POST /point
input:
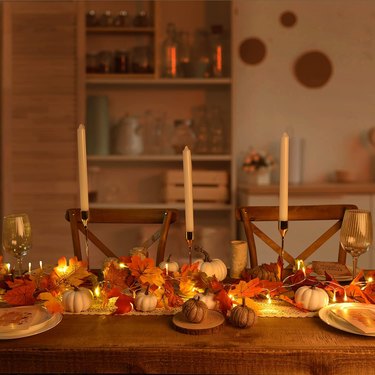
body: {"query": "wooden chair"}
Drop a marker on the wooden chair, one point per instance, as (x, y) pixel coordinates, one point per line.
(250, 214)
(164, 217)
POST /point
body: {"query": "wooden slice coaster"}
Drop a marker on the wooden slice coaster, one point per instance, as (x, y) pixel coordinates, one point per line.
(213, 323)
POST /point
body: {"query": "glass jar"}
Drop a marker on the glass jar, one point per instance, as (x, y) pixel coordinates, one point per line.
(121, 62)
(91, 18)
(183, 135)
(202, 129)
(142, 60)
(169, 53)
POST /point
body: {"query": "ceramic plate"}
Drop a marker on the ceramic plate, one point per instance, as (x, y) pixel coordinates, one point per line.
(42, 322)
(328, 316)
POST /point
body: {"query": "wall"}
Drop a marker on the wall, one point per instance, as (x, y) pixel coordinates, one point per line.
(332, 119)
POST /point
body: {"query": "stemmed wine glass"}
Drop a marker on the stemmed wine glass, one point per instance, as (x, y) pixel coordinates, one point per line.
(356, 234)
(17, 237)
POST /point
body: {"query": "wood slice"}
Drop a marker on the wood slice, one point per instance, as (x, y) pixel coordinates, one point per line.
(213, 323)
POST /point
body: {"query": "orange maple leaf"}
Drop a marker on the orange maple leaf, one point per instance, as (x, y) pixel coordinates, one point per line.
(274, 288)
(21, 292)
(52, 304)
(247, 289)
(152, 276)
(138, 266)
(116, 276)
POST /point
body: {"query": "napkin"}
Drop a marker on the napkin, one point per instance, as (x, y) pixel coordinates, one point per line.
(18, 318)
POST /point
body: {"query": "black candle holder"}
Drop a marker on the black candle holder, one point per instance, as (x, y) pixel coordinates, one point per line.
(189, 236)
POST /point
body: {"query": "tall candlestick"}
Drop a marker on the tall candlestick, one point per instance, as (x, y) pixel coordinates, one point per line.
(284, 170)
(82, 168)
(188, 186)
(188, 189)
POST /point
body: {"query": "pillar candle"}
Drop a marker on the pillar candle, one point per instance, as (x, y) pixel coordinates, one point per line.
(188, 190)
(239, 258)
(82, 168)
(284, 170)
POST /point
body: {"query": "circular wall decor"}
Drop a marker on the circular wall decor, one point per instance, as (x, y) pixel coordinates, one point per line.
(313, 69)
(288, 19)
(252, 51)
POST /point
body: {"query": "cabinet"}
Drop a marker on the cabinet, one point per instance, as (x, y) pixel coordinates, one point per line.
(139, 90)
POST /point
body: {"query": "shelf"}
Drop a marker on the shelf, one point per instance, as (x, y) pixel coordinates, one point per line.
(179, 206)
(155, 158)
(120, 30)
(149, 79)
(311, 189)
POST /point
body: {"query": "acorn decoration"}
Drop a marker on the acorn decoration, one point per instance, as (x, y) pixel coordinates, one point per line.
(194, 310)
(242, 316)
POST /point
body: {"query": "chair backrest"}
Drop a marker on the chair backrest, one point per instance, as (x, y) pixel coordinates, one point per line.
(250, 214)
(164, 217)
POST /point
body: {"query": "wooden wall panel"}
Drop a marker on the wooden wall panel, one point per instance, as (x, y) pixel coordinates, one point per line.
(42, 137)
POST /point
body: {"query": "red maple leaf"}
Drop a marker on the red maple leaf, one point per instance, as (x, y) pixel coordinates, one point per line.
(21, 292)
(138, 266)
(274, 288)
(247, 289)
(225, 303)
(124, 303)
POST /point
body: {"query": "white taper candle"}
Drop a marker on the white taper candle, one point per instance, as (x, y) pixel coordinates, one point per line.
(82, 168)
(284, 171)
(188, 189)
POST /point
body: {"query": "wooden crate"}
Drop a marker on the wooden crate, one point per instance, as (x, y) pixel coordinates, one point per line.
(208, 186)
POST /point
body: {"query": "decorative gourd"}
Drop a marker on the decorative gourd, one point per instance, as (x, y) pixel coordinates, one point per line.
(242, 316)
(145, 301)
(77, 300)
(264, 272)
(169, 265)
(212, 267)
(194, 310)
(208, 299)
(311, 298)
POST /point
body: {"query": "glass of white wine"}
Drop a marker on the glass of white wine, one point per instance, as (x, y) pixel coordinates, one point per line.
(17, 237)
(356, 234)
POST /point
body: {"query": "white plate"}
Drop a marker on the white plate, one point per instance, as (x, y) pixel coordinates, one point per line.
(44, 322)
(333, 320)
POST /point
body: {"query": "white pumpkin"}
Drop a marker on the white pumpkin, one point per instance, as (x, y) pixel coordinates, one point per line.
(212, 267)
(311, 298)
(172, 266)
(145, 301)
(77, 300)
(208, 299)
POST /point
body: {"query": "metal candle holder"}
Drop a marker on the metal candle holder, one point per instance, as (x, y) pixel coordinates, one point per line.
(189, 236)
(85, 220)
(283, 228)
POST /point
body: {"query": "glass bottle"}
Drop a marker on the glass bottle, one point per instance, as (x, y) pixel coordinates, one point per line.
(217, 51)
(217, 139)
(201, 54)
(169, 52)
(184, 54)
(202, 129)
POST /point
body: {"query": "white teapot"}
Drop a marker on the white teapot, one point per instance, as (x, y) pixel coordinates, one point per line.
(128, 137)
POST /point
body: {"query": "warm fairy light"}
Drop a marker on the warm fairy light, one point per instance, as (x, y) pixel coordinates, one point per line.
(303, 269)
(97, 291)
(166, 268)
(232, 297)
(269, 300)
(62, 269)
(40, 264)
(7, 265)
(345, 296)
(370, 279)
(29, 267)
(122, 265)
(334, 296)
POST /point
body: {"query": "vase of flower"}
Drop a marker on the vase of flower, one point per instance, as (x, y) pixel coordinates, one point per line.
(258, 167)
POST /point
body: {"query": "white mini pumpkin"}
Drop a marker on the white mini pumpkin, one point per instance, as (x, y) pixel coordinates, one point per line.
(311, 298)
(208, 299)
(212, 267)
(145, 301)
(77, 300)
(172, 266)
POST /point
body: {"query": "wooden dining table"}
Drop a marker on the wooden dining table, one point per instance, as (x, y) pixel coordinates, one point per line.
(134, 344)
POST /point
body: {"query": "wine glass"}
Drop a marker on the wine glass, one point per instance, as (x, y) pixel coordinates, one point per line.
(17, 237)
(356, 234)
